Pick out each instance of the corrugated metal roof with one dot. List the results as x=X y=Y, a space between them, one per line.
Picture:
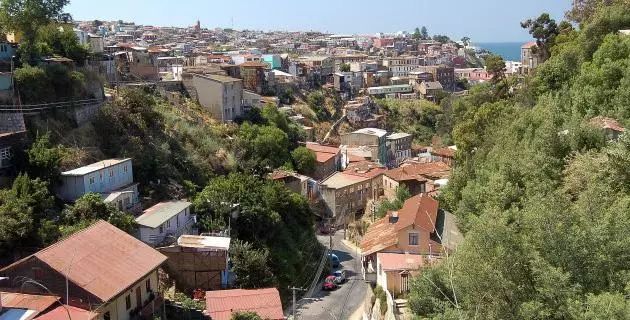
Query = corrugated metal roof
x=161 y=212
x=342 y=180
x=61 y=312
x=204 y=242
x=101 y=259
x=94 y=167
x=37 y=303
x=265 y=302
x=400 y=261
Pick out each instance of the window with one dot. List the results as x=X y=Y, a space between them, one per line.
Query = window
x=125 y=168
x=177 y=221
x=413 y=239
x=91 y=180
x=111 y=172
x=168 y=223
x=5 y=153
x=107 y=316
x=128 y=302
x=148 y=285
x=100 y=176
x=161 y=229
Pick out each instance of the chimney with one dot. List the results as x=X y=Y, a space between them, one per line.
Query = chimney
x=393 y=218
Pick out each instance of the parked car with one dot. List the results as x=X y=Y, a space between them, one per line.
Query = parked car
x=335 y=260
x=340 y=276
x=329 y=283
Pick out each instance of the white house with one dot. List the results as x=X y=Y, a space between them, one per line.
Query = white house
x=163 y=220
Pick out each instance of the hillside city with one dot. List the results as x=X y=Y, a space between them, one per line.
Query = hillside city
x=155 y=172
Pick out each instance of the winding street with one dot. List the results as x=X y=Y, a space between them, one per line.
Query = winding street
x=343 y=302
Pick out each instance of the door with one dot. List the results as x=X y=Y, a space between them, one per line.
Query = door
x=138 y=298
x=404 y=282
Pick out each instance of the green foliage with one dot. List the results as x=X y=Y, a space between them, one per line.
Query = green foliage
x=251 y=266
x=44 y=159
x=188 y=302
x=416 y=34
x=167 y=144
x=27 y=16
x=50 y=83
x=419 y=118
x=380 y=294
x=402 y=194
x=424 y=33
x=52 y=41
x=543 y=198
x=315 y=101
x=272 y=219
x=544 y=30
x=246 y=315
x=344 y=67
x=304 y=160
x=441 y=38
x=90 y=207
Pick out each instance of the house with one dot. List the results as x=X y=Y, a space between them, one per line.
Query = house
x=328 y=160
x=274 y=60
x=445 y=155
x=99 y=268
x=25 y=306
x=198 y=262
x=7 y=50
x=399 y=148
x=445 y=75
x=220 y=305
x=165 y=220
x=347 y=192
x=394 y=270
x=297 y=183
x=395 y=89
x=253 y=75
x=416 y=177
x=252 y=100
x=13 y=137
x=401 y=66
x=419 y=228
x=221 y=95
x=371 y=137
x=97 y=44
x=611 y=127
x=112 y=178
x=529 y=59
x=430 y=90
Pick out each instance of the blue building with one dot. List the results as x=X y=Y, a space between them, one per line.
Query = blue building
x=112 y=178
x=7 y=50
x=274 y=60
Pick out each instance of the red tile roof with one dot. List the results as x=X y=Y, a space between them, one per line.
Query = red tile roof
x=400 y=261
x=444 y=152
x=37 y=303
x=607 y=123
x=323 y=153
x=366 y=169
x=265 y=302
x=420 y=210
x=61 y=312
x=101 y=259
x=419 y=171
x=528 y=45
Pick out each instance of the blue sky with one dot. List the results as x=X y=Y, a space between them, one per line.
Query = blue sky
x=481 y=20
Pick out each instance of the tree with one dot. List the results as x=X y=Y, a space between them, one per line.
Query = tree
x=54 y=40
x=424 y=33
x=416 y=34
x=344 y=67
x=246 y=315
x=402 y=194
x=441 y=38
x=26 y=16
x=44 y=159
x=251 y=266
x=91 y=207
x=466 y=41
x=544 y=30
x=582 y=11
x=304 y=160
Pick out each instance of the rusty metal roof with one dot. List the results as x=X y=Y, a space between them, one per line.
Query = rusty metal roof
x=37 y=303
x=265 y=302
x=101 y=259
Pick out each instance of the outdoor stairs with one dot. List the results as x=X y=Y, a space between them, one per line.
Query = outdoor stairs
x=400 y=303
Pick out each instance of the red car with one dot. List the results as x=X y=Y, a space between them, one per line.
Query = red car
x=329 y=283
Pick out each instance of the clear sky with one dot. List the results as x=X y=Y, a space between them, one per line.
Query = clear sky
x=481 y=20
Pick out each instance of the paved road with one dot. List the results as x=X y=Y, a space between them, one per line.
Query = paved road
x=343 y=302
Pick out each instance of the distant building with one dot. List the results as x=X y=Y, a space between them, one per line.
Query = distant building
x=611 y=127
x=401 y=66
x=384 y=90
x=399 y=148
x=416 y=177
x=112 y=178
x=443 y=74
x=165 y=220
x=529 y=59
x=430 y=90
x=253 y=75
x=221 y=95
x=328 y=160
x=295 y=182
x=445 y=155
x=371 y=137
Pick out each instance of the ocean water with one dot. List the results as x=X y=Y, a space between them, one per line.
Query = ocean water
x=510 y=51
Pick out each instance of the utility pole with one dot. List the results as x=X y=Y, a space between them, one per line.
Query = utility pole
x=294 y=289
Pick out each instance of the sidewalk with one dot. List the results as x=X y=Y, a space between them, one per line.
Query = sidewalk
x=351 y=245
